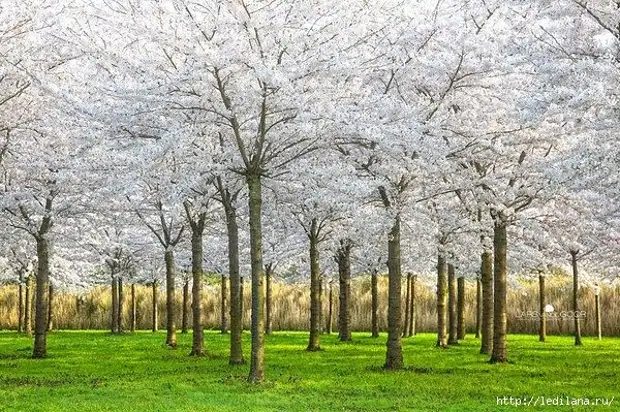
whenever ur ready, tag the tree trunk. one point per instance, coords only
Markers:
(478, 307)
(500, 325)
(121, 298)
(375, 304)
(344, 277)
(40, 320)
(460, 306)
(50, 310)
(184, 308)
(268, 303)
(394, 353)
(407, 303)
(442, 298)
(575, 298)
(413, 314)
(315, 285)
(171, 333)
(486, 279)
(132, 314)
(597, 308)
(28, 307)
(452, 309)
(236, 287)
(154, 300)
(542, 330)
(197, 330)
(321, 316)
(20, 304)
(257, 358)
(330, 310)
(242, 302)
(114, 320)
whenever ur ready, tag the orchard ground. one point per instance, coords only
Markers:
(96, 371)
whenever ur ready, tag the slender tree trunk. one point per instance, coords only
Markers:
(121, 298)
(597, 308)
(344, 277)
(223, 305)
(315, 297)
(114, 320)
(20, 304)
(330, 310)
(452, 309)
(28, 307)
(486, 279)
(500, 325)
(132, 314)
(394, 353)
(407, 303)
(171, 332)
(375, 304)
(185, 310)
(542, 330)
(575, 298)
(197, 329)
(257, 359)
(460, 305)
(442, 298)
(478, 307)
(155, 299)
(236, 287)
(40, 321)
(50, 310)
(321, 315)
(268, 302)
(413, 314)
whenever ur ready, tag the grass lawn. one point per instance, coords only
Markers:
(95, 371)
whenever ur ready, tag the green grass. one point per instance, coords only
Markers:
(95, 371)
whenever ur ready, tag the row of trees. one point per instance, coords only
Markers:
(252, 137)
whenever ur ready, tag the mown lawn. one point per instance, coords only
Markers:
(95, 371)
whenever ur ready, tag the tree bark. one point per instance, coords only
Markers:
(132, 313)
(576, 298)
(268, 302)
(500, 325)
(412, 305)
(197, 329)
(40, 321)
(155, 298)
(257, 358)
(315, 294)
(374, 287)
(28, 307)
(236, 286)
(460, 306)
(394, 353)
(20, 304)
(50, 308)
(223, 306)
(442, 298)
(542, 330)
(486, 279)
(407, 303)
(121, 298)
(344, 278)
(185, 310)
(171, 333)
(452, 309)
(114, 320)
(478, 307)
